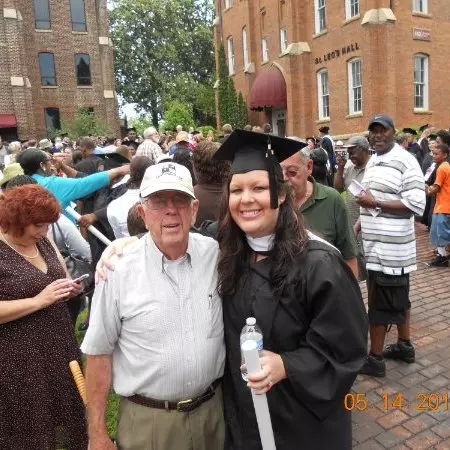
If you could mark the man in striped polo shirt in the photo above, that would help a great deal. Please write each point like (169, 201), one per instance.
(395, 192)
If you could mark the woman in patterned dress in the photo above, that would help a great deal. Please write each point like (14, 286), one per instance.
(40, 407)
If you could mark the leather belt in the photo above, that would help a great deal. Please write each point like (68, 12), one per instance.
(181, 406)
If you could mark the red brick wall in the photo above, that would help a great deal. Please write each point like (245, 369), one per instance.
(387, 60)
(23, 43)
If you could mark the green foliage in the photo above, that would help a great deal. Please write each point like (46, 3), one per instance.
(205, 129)
(178, 114)
(232, 107)
(84, 123)
(164, 51)
(140, 123)
(242, 112)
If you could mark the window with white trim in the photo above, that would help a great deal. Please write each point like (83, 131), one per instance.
(265, 50)
(351, 8)
(227, 4)
(354, 86)
(283, 39)
(323, 95)
(320, 15)
(245, 47)
(420, 6)
(421, 81)
(230, 56)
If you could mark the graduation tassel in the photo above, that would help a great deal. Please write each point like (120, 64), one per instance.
(271, 162)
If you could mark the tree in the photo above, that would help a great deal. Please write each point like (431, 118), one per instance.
(84, 123)
(232, 107)
(140, 123)
(242, 112)
(163, 51)
(178, 114)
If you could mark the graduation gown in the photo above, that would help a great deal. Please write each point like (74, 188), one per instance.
(318, 325)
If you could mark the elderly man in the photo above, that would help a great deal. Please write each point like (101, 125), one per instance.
(358, 153)
(150, 147)
(394, 192)
(322, 207)
(13, 149)
(351, 169)
(159, 337)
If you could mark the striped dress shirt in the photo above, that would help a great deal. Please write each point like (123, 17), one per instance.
(389, 239)
(161, 320)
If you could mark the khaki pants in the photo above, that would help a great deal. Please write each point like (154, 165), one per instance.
(143, 428)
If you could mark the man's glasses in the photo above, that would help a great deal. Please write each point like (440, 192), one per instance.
(291, 172)
(156, 203)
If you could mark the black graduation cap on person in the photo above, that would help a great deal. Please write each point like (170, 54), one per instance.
(424, 127)
(432, 137)
(249, 151)
(410, 131)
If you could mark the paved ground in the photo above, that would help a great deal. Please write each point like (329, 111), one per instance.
(423, 420)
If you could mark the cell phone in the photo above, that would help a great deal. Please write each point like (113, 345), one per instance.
(80, 279)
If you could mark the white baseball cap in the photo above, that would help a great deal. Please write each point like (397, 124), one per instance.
(168, 176)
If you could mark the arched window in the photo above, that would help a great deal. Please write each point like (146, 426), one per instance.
(421, 81)
(323, 97)
(354, 86)
(47, 69)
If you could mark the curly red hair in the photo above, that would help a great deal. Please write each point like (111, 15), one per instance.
(27, 205)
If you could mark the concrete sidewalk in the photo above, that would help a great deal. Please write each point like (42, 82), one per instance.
(410, 408)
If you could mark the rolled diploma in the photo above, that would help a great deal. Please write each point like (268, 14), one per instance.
(79, 380)
(91, 228)
(251, 356)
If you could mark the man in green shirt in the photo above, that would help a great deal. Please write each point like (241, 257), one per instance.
(322, 207)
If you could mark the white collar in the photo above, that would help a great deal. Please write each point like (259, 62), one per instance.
(261, 244)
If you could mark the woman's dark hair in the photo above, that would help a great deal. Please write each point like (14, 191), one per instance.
(445, 136)
(207, 170)
(290, 241)
(19, 180)
(443, 148)
(138, 166)
(183, 157)
(76, 157)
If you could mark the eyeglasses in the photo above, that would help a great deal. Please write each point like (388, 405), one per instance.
(157, 203)
(291, 172)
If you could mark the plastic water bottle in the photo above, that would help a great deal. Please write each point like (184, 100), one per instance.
(252, 332)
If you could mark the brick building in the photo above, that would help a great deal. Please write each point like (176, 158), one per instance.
(55, 57)
(309, 63)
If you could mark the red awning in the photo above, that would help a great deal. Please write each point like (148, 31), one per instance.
(268, 90)
(8, 121)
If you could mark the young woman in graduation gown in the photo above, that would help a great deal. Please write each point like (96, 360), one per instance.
(306, 302)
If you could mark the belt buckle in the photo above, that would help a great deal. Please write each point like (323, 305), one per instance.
(181, 403)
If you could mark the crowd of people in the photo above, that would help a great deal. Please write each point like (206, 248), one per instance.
(204, 233)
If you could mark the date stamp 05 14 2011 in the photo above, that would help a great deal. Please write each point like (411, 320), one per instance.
(424, 402)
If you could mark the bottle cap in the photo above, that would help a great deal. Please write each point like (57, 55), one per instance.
(251, 321)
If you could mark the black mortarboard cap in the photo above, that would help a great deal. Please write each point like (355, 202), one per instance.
(249, 151)
(432, 137)
(424, 127)
(410, 131)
